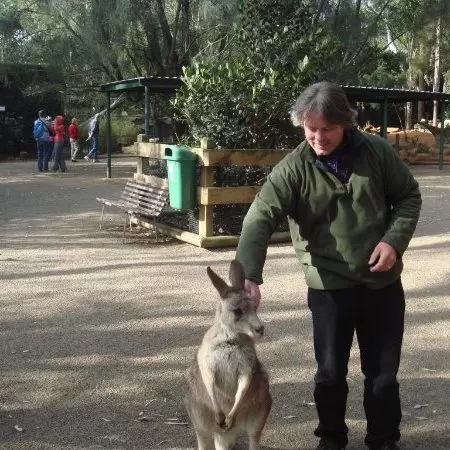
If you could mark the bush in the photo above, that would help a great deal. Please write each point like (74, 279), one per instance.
(242, 98)
(245, 101)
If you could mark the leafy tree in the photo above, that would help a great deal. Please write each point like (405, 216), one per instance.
(279, 47)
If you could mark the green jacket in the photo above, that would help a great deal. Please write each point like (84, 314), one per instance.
(335, 226)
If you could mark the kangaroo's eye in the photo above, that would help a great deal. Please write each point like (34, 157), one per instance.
(237, 312)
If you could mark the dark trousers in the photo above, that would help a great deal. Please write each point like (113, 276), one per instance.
(58, 157)
(377, 316)
(94, 147)
(42, 157)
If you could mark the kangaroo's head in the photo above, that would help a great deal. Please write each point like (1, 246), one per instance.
(236, 312)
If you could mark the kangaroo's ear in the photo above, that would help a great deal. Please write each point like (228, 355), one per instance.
(237, 274)
(218, 283)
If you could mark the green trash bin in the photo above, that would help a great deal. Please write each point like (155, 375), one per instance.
(181, 175)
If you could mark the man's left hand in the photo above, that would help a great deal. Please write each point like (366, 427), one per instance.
(382, 258)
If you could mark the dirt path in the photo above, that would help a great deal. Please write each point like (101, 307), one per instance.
(96, 335)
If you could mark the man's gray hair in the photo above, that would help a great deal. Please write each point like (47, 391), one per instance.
(323, 99)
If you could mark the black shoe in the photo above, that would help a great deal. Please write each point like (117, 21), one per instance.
(328, 444)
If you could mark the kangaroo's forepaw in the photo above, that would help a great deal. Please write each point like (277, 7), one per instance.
(229, 422)
(220, 419)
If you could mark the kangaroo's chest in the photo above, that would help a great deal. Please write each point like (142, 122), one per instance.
(228, 362)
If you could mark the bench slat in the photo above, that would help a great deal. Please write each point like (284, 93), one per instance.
(139, 198)
(144, 200)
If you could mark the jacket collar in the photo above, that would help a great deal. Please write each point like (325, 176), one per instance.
(353, 134)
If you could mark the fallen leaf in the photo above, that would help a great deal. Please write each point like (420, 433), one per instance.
(144, 419)
(176, 423)
(421, 418)
(18, 428)
(290, 417)
(105, 419)
(421, 406)
(306, 404)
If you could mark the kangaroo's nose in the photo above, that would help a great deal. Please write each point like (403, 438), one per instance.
(260, 330)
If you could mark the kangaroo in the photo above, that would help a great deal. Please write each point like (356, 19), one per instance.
(228, 388)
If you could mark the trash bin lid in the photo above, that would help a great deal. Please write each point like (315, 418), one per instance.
(177, 153)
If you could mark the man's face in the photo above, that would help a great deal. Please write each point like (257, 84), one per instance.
(322, 136)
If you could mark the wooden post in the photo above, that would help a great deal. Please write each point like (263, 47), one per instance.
(206, 223)
(139, 165)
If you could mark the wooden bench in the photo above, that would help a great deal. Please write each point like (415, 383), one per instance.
(140, 200)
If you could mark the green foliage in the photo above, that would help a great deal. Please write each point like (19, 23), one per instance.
(279, 47)
(245, 101)
(388, 71)
(234, 104)
(292, 42)
(123, 131)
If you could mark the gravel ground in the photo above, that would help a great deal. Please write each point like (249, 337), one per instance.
(96, 334)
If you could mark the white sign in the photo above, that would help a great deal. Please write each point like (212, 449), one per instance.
(2, 108)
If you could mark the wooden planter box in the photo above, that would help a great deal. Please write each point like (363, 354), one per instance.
(207, 194)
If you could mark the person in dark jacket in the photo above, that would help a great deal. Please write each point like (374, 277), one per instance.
(44, 142)
(94, 128)
(352, 207)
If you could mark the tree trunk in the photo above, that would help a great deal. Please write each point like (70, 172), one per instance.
(185, 35)
(408, 124)
(437, 69)
(408, 112)
(420, 104)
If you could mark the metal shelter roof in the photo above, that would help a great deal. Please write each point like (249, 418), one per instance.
(354, 93)
(379, 95)
(160, 85)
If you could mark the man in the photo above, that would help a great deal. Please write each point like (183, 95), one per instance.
(352, 207)
(73, 139)
(93, 137)
(42, 133)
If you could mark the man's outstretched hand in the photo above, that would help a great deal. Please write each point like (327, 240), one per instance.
(253, 291)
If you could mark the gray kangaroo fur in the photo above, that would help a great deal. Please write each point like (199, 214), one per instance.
(228, 388)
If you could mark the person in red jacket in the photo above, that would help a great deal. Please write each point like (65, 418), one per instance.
(58, 154)
(73, 137)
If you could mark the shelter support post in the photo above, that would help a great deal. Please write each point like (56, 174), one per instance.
(383, 131)
(442, 137)
(146, 111)
(108, 135)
